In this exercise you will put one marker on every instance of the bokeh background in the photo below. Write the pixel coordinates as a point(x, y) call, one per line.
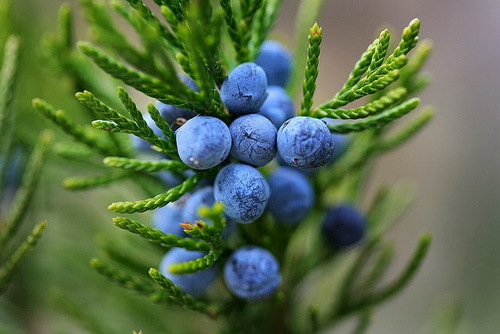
point(455, 161)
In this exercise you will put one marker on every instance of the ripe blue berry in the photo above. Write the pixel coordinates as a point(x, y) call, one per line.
point(168, 218)
point(244, 90)
point(203, 142)
point(278, 106)
point(243, 191)
point(344, 225)
point(254, 139)
point(276, 61)
point(291, 195)
point(252, 273)
point(172, 113)
point(305, 142)
point(194, 284)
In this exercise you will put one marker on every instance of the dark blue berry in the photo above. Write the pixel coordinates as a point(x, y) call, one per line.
point(243, 191)
point(194, 284)
point(291, 195)
point(203, 142)
point(305, 142)
point(278, 106)
point(254, 139)
point(252, 273)
point(344, 225)
point(276, 61)
point(244, 90)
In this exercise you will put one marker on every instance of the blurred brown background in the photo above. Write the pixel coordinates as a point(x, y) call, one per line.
point(455, 161)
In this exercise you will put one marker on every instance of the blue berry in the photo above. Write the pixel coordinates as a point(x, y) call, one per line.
point(291, 195)
point(203, 142)
point(276, 61)
point(254, 139)
point(243, 191)
point(278, 106)
point(244, 90)
point(168, 218)
point(252, 273)
point(344, 225)
point(305, 142)
point(172, 113)
point(194, 284)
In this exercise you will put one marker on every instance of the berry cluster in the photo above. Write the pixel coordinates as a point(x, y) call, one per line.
point(263, 131)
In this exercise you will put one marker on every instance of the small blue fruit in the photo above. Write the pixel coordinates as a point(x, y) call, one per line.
point(305, 142)
point(243, 191)
point(194, 284)
point(254, 139)
point(252, 273)
point(278, 106)
point(244, 90)
point(344, 225)
point(172, 113)
point(168, 218)
point(291, 195)
point(203, 142)
point(276, 61)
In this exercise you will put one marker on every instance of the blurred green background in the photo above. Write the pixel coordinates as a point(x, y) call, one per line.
point(455, 163)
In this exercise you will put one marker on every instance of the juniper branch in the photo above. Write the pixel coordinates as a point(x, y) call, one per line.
point(175, 295)
point(78, 133)
point(379, 52)
point(262, 24)
point(160, 200)
point(181, 97)
point(153, 21)
point(400, 137)
point(8, 267)
point(107, 33)
point(137, 165)
point(25, 194)
point(196, 265)
point(165, 129)
point(309, 86)
point(371, 108)
point(122, 123)
point(377, 120)
point(7, 78)
point(397, 285)
point(124, 279)
point(87, 182)
point(158, 237)
point(232, 27)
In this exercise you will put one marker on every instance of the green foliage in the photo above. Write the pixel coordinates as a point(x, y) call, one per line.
point(13, 199)
point(205, 40)
point(315, 37)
